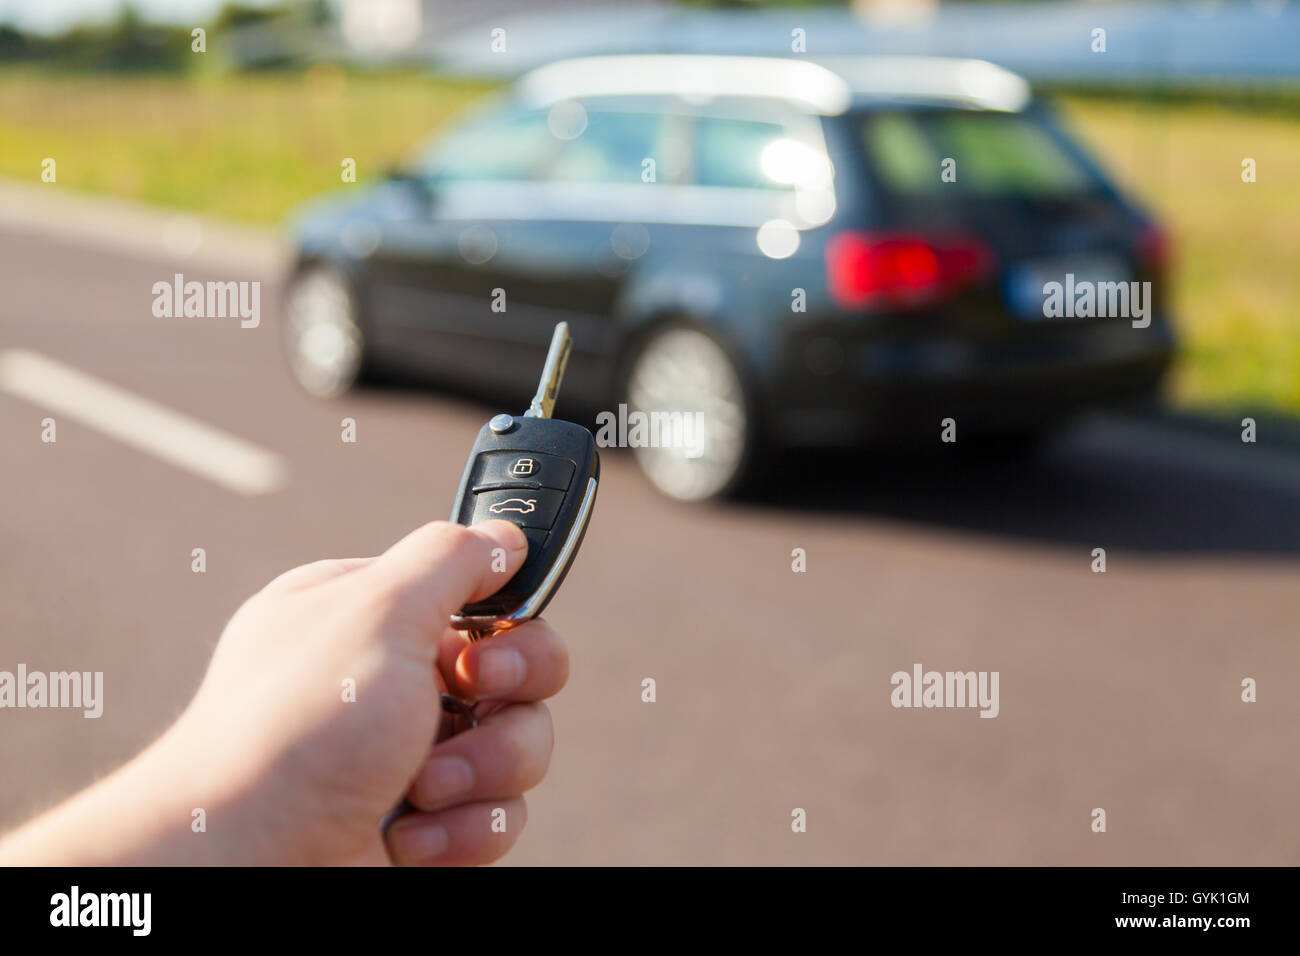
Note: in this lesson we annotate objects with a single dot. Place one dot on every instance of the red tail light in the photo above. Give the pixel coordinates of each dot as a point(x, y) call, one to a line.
point(866, 269)
point(1154, 248)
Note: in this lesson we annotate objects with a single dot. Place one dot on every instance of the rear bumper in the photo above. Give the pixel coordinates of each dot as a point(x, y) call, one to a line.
point(904, 389)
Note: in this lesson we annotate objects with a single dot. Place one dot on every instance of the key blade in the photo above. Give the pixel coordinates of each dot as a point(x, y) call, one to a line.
point(548, 388)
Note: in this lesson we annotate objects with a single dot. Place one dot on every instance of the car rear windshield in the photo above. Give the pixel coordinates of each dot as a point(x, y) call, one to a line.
point(974, 153)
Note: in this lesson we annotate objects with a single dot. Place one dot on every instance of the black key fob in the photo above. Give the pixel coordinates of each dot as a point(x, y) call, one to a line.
point(541, 473)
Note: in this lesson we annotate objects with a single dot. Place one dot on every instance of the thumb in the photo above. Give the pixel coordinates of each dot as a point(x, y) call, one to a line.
point(441, 566)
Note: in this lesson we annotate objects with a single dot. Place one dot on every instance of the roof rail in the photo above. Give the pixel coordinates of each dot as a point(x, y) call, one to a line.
point(801, 82)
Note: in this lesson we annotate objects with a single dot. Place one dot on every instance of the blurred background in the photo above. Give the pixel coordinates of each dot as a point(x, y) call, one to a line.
point(246, 131)
point(1120, 690)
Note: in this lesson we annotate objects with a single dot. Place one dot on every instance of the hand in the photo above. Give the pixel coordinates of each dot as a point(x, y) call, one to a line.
point(318, 713)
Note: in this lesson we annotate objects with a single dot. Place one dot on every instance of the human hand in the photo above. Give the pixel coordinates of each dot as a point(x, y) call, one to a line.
point(318, 712)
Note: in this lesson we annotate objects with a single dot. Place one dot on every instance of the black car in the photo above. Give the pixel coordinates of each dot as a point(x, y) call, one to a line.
point(786, 254)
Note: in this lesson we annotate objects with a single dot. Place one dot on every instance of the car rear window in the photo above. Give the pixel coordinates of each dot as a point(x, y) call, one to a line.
point(994, 154)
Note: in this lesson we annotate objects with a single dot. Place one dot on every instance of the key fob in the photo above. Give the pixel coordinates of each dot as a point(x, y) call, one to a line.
point(542, 474)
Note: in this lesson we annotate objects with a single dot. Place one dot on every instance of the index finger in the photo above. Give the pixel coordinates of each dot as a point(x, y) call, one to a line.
point(526, 663)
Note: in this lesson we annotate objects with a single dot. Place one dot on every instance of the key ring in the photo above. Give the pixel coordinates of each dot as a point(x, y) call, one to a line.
point(460, 708)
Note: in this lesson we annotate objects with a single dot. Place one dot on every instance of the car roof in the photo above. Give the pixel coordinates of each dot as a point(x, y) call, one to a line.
point(828, 87)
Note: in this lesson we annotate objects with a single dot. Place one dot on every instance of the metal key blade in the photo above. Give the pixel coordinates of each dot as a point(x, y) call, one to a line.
point(548, 388)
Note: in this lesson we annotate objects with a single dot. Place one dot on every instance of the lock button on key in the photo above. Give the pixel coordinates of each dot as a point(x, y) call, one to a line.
point(512, 469)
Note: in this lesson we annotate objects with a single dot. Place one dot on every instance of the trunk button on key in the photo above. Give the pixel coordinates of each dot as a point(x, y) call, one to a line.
point(528, 509)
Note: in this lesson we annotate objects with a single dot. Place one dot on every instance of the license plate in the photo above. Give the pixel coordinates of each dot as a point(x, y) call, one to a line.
point(1022, 285)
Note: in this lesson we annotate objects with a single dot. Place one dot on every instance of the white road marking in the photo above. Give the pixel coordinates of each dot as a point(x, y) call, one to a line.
point(185, 442)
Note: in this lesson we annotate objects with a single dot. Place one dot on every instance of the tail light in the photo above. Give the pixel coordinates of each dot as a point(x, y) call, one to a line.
point(1154, 248)
point(870, 269)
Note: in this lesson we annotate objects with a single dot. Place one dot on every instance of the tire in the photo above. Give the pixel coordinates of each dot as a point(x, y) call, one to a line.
point(321, 332)
point(681, 368)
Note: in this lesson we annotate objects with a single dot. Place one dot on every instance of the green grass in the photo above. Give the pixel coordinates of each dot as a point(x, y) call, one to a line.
point(250, 147)
point(1236, 281)
point(246, 147)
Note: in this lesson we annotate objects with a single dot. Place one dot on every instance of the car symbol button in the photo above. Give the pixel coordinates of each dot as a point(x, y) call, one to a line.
point(526, 469)
point(526, 508)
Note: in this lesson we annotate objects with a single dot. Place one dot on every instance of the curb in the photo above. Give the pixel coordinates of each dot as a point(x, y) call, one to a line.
point(122, 226)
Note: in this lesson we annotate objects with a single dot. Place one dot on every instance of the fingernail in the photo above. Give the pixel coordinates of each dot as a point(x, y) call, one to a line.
point(421, 843)
point(499, 669)
point(506, 533)
point(444, 779)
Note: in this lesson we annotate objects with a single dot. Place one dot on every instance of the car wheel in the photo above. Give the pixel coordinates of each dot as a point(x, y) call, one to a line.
point(322, 334)
point(682, 369)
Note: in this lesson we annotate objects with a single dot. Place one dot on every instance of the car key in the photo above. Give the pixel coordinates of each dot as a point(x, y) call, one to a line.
point(542, 474)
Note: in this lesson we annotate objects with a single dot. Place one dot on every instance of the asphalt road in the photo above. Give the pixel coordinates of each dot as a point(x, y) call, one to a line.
point(1118, 690)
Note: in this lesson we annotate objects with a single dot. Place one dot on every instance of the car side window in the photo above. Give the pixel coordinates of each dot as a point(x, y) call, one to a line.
point(729, 152)
point(511, 145)
point(612, 148)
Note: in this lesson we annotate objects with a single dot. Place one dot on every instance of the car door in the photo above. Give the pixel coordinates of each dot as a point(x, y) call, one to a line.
point(436, 265)
point(571, 251)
